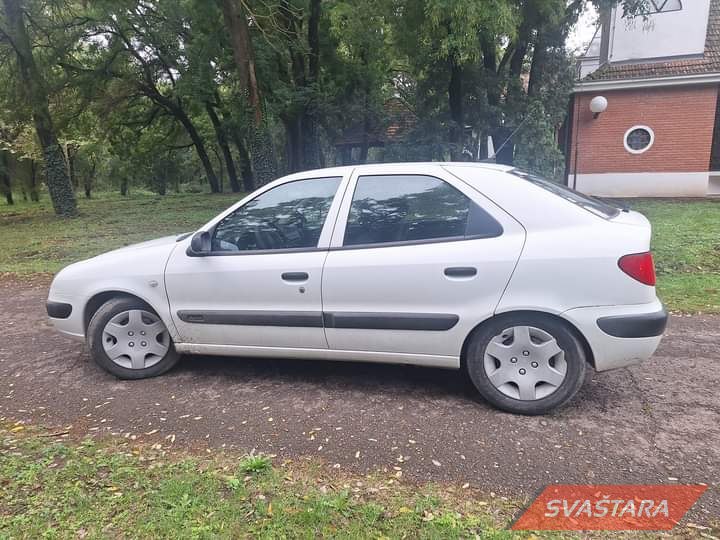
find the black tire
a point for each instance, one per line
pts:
(102, 316)
(566, 339)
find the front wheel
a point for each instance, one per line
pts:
(526, 363)
(129, 340)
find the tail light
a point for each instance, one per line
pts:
(639, 266)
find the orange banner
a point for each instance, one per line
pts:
(609, 508)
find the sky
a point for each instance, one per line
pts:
(583, 33)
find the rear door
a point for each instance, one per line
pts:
(417, 259)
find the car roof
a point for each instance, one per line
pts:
(345, 169)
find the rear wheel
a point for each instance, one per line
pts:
(526, 363)
(128, 339)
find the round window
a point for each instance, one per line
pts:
(639, 139)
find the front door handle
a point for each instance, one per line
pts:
(295, 276)
(461, 272)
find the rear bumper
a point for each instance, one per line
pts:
(620, 336)
(634, 326)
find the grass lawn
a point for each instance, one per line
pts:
(34, 240)
(686, 245)
(686, 238)
(53, 486)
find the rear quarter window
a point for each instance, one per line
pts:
(591, 204)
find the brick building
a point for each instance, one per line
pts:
(660, 75)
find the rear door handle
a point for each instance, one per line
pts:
(295, 276)
(461, 272)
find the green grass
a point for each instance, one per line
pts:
(108, 489)
(686, 245)
(57, 487)
(34, 240)
(686, 237)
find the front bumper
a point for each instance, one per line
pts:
(58, 310)
(620, 336)
(65, 314)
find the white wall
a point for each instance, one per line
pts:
(588, 66)
(673, 33)
(691, 184)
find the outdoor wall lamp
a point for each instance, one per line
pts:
(598, 105)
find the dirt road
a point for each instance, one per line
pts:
(655, 423)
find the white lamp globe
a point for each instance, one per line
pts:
(598, 105)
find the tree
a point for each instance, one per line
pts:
(261, 147)
(5, 187)
(58, 181)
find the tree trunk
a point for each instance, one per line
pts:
(261, 151)
(245, 165)
(243, 53)
(32, 182)
(224, 147)
(455, 100)
(71, 151)
(58, 182)
(490, 64)
(221, 169)
(197, 141)
(262, 155)
(312, 153)
(5, 186)
(537, 65)
(89, 178)
(294, 152)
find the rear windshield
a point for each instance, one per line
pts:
(591, 204)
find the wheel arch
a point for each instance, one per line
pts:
(98, 299)
(590, 358)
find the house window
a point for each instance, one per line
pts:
(639, 139)
(661, 6)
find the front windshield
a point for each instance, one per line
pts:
(591, 204)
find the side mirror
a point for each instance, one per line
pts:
(200, 244)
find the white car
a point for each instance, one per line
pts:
(516, 280)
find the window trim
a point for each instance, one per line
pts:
(325, 233)
(338, 239)
(443, 240)
(642, 150)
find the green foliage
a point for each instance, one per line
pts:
(254, 464)
(131, 83)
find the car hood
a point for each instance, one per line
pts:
(129, 269)
(158, 242)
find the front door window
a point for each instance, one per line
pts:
(290, 216)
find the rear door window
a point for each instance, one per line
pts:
(390, 209)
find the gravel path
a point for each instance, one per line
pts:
(649, 424)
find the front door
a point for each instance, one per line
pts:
(418, 258)
(260, 284)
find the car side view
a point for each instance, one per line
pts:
(519, 281)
